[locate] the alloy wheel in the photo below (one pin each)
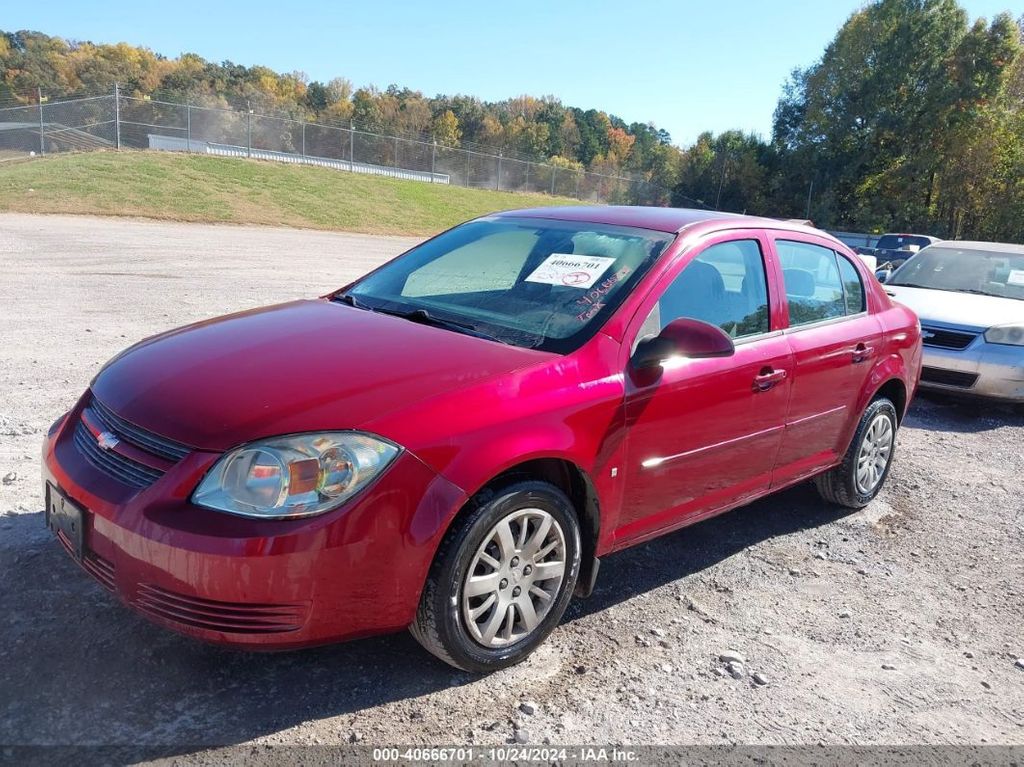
(514, 578)
(875, 451)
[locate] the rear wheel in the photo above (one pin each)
(863, 471)
(501, 579)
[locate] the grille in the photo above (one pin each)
(114, 464)
(98, 567)
(152, 443)
(948, 377)
(227, 617)
(947, 339)
(141, 461)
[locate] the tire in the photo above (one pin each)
(840, 485)
(444, 622)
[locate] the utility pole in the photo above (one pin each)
(810, 189)
(351, 145)
(721, 182)
(554, 170)
(248, 130)
(42, 141)
(433, 160)
(117, 116)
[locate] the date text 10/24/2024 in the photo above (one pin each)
(540, 754)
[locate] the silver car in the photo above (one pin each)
(970, 298)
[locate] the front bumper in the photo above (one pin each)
(991, 371)
(262, 584)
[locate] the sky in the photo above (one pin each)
(685, 66)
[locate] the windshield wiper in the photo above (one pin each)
(973, 291)
(348, 298)
(914, 285)
(423, 317)
(977, 292)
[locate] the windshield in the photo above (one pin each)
(901, 242)
(523, 281)
(990, 273)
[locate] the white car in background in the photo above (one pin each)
(970, 299)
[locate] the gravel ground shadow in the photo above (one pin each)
(694, 549)
(940, 413)
(69, 647)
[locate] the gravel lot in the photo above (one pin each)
(898, 624)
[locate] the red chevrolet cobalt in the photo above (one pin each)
(449, 443)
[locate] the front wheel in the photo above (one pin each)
(860, 476)
(501, 579)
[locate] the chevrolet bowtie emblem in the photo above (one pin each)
(106, 440)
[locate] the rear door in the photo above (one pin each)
(703, 434)
(833, 339)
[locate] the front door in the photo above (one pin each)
(703, 434)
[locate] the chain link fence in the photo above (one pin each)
(116, 121)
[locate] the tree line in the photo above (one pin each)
(912, 120)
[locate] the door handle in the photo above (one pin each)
(862, 352)
(767, 378)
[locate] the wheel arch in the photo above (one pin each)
(569, 477)
(888, 378)
(895, 390)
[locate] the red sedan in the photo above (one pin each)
(450, 443)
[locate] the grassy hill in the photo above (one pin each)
(182, 187)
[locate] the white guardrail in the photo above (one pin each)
(177, 144)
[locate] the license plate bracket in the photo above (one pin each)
(65, 518)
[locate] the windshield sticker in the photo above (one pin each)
(593, 302)
(570, 270)
(1016, 277)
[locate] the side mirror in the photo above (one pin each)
(883, 275)
(683, 338)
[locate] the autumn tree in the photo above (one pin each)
(905, 87)
(446, 129)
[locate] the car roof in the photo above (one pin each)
(659, 219)
(991, 247)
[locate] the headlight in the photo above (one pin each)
(296, 476)
(1010, 335)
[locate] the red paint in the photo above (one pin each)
(464, 409)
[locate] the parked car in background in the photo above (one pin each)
(450, 443)
(970, 298)
(892, 250)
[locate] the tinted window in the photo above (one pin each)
(901, 242)
(724, 286)
(814, 290)
(852, 286)
(537, 283)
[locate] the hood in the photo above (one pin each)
(302, 366)
(962, 309)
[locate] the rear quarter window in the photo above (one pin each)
(853, 287)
